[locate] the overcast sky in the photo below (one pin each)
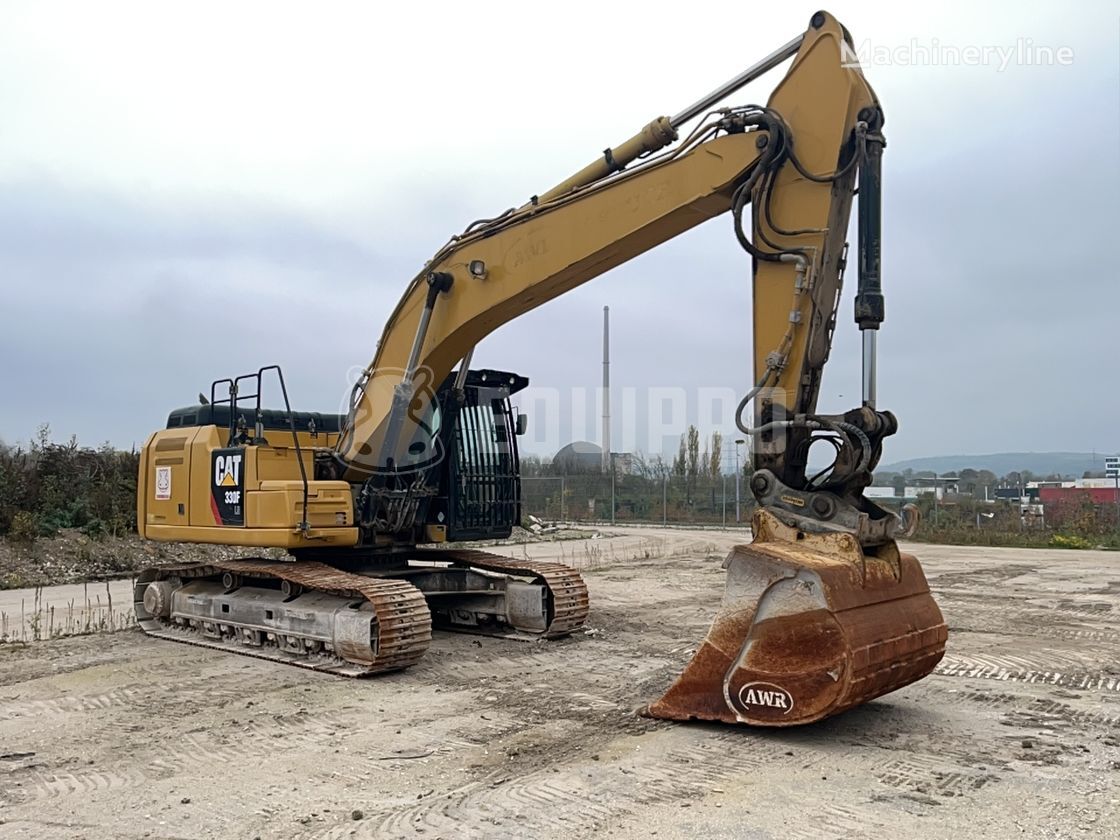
(192, 190)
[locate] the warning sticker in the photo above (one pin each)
(163, 483)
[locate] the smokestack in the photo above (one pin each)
(606, 388)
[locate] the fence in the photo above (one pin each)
(670, 500)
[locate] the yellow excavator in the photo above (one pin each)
(821, 611)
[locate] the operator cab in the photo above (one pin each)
(464, 453)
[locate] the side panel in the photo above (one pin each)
(202, 510)
(142, 488)
(193, 488)
(164, 484)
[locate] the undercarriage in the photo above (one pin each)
(361, 621)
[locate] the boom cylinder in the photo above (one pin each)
(870, 309)
(655, 136)
(663, 130)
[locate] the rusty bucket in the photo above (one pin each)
(810, 625)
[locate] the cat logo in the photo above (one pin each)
(227, 470)
(761, 696)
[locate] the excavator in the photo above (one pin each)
(362, 516)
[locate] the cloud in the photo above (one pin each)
(185, 198)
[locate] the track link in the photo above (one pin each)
(570, 602)
(403, 622)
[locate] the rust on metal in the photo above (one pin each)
(810, 625)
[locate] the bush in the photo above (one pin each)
(1069, 541)
(52, 486)
(24, 527)
(96, 529)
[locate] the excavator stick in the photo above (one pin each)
(810, 625)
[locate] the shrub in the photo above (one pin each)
(1069, 541)
(64, 485)
(24, 527)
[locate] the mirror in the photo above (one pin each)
(522, 424)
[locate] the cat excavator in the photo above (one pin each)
(362, 515)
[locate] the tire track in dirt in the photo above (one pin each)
(574, 800)
(46, 784)
(69, 704)
(1053, 714)
(833, 820)
(1093, 608)
(932, 775)
(1038, 709)
(974, 579)
(195, 691)
(479, 809)
(179, 753)
(1009, 669)
(987, 698)
(1074, 634)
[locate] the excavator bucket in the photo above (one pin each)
(810, 625)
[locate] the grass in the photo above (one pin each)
(1025, 538)
(39, 621)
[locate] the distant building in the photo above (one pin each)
(909, 494)
(579, 456)
(1096, 495)
(582, 456)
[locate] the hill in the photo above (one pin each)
(1071, 464)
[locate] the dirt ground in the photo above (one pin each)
(1017, 734)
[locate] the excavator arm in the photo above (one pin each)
(794, 159)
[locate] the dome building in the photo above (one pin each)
(579, 456)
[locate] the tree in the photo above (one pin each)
(693, 469)
(715, 456)
(680, 463)
(968, 481)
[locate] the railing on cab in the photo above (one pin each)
(237, 428)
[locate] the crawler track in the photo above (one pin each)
(403, 622)
(570, 603)
(401, 631)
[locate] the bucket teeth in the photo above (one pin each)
(808, 628)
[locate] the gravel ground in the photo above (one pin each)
(1017, 734)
